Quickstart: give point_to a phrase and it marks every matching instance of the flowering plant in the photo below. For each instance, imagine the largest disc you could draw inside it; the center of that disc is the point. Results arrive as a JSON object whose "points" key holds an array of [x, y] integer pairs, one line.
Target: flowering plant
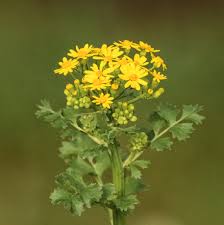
{"points": [[103, 86]]}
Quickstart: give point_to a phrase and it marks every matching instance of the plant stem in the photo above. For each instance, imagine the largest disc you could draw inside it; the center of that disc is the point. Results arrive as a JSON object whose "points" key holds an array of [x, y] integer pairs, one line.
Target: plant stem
{"points": [[119, 182]]}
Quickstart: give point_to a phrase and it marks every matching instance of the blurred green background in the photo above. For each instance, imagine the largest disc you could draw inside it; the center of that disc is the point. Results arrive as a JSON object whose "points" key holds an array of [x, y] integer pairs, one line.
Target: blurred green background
{"points": [[187, 184]]}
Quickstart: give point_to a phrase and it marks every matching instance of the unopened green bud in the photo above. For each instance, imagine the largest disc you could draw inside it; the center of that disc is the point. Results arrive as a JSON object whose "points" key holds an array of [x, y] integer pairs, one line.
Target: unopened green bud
{"points": [[133, 118], [126, 112], [154, 84], [114, 115], [142, 53], [159, 92], [124, 105], [131, 107]]}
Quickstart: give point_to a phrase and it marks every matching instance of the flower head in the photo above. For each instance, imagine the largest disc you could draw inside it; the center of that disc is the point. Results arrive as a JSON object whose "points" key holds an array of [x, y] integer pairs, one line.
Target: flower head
{"points": [[157, 76], [133, 74], [158, 62], [98, 77], [82, 53], [140, 60], [145, 47], [66, 66], [126, 44], [108, 53], [104, 99]]}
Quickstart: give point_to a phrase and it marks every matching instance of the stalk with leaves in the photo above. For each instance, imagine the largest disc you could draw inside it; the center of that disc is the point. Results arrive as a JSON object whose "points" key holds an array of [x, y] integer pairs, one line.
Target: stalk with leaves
{"points": [[103, 86]]}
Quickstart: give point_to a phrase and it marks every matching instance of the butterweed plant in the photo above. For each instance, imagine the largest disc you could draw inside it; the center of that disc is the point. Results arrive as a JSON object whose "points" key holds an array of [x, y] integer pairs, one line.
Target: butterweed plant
{"points": [[102, 141]]}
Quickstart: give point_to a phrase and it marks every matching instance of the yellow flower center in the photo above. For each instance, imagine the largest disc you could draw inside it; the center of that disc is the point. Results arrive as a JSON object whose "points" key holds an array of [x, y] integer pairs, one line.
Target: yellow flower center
{"points": [[97, 82], [66, 64], [108, 58], [103, 99], [82, 52], [127, 43], [133, 77]]}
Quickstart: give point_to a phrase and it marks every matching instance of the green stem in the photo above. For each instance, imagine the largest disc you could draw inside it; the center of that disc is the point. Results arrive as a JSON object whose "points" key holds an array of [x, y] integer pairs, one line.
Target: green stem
{"points": [[119, 182]]}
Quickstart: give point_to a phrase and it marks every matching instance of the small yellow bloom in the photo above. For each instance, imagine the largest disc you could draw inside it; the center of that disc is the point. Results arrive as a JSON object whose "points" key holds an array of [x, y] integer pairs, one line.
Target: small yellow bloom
{"points": [[76, 81], [104, 99], [145, 47], [108, 53], [99, 83], [133, 74], [98, 71], [140, 60], [74, 92], [159, 92], [114, 86], [98, 77], [69, 86], [150, 91], [158, 62], [66, 92], [66, 66], [157, 76], [121, 61], [126, 44], [81, 53]]}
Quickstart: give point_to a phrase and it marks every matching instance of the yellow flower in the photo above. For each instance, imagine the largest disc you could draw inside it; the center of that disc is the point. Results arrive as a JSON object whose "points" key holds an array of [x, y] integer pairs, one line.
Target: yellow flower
{"points": [[98, 84], [121, 61], [159, 92], [81, 53], [158, 62], [126, 44], [114, 86], [98, 77], [157, 76], [69, 86], [104, 99], [140, 60], [76, 81], [150, 91], [97, 72], [66, 66], [145, 47], [108, 53], [133, 74]]}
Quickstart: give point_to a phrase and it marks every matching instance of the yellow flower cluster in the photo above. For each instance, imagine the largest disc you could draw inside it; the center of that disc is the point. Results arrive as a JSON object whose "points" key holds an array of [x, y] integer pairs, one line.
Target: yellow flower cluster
{"points": [[124, 71]]}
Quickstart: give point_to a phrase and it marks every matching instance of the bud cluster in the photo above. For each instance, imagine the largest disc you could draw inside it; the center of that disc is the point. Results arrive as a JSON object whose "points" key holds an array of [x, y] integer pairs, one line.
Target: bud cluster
{"points": [[88, 122], [124, 113], [76, 99], [139, 141]]}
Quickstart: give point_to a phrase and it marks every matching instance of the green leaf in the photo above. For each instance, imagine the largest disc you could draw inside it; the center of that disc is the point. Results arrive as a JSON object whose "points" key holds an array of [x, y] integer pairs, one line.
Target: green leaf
{"points": [[46, 112], [126, 203], [156, 122], [80, 167], [91, 194], [161, 144], [191, 113], [133, 185], [102, 163], [143, 164], [168, 112], [135, 172], [182, 131], [80, 144], [70, 202], [77, 206], [68, 149], [178, 125], [109, 192]]}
